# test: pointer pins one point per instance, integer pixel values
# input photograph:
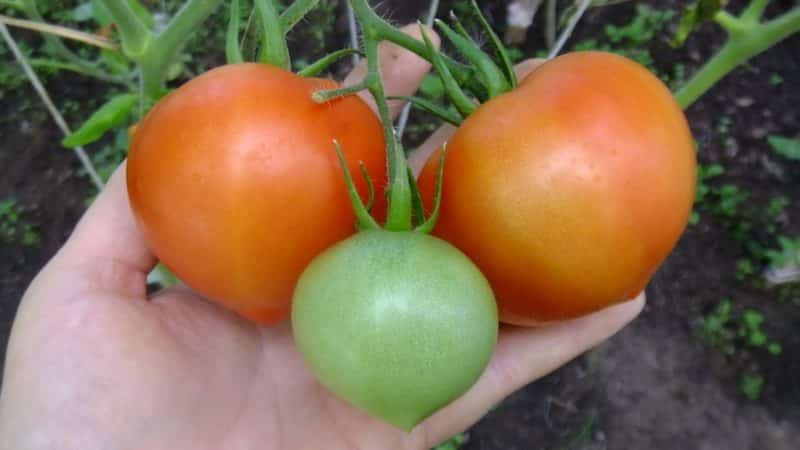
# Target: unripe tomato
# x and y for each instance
(571, 190)
(234, 181)
(398, 323)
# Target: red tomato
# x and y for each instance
(234, 181)
(570, 191)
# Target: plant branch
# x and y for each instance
(573, 21)
(155, 62)
(57, 117)
(739, 48)
(135, 34)
(731, 23)
(754, 11)
(29, 7)
(68, 33)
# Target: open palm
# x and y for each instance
(92, 364)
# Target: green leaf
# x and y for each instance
(113, 113)
(789, 148)
(693, 16)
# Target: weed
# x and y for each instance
(632, 39)
(703, 189)
(786, 147)
(751, 385)
(13, 228)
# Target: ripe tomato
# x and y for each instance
(235, 183)
(571, 190)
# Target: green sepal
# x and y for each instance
(427, 226)
(463, 104)
(499, 48)
(364, 220)
(492, 76)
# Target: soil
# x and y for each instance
(656, 385)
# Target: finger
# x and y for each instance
(401, 71)
(420, 155)
(106, 249)
(526, 354)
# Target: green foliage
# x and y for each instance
(788, 251)
(454, 443)
(775, 79)
(703, 189)
(729, 330)
(751, 386)
(633, 38)
(786, 147)
(13, 228)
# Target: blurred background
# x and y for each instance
(712, 363)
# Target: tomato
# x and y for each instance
(398, 323)
(571, 190)
(234, 181)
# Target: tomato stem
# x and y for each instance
(326, 61)
(233, 51)
(747, 37)
(295, 12)
(274, 50)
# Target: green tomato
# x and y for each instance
(397, 323)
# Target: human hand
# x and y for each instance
(93, 363)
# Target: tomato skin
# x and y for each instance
(570, 191)
(235, 183)
(398, 323)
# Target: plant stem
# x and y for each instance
(57, 117)
(295, 12)
(135, 34)
(573, 21)
(731, 23)
(273, 39)
(398, 217)
(754, 11)
(380, 29)
(155, 61)
(740, 47)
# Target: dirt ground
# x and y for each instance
(655, 385)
